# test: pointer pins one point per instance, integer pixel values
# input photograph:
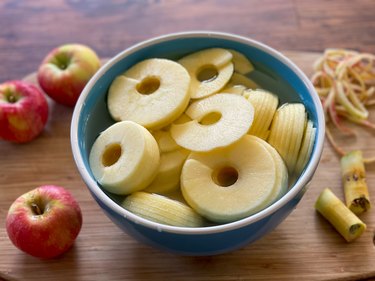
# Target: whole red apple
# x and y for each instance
(23, 111)
(66, 70)
(44, 222)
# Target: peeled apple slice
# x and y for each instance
(152, 93)
(241, 63)
(296, 134)
(161, 209)
(229, 183)
(165, 141)
(234, 89)
(168, 176)
(287, 130)
(239, 79)
(209, 69)
(281, 183)
(124, 158)
(306, 147)
(182, 119)
(265, 105)
(233, 116)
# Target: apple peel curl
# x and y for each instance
(345, 83)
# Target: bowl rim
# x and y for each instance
(298, 186)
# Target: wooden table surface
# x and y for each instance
(302, 247)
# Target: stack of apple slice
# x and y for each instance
(172, 158)
(212, 135)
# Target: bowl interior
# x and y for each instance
(273, 73)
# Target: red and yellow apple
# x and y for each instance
(23, 111)
(65, 71)
(44, 222)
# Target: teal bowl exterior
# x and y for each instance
(91, 117)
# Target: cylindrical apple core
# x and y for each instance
(111, 154)
(225, 176)
(148, 85)
(207, 73)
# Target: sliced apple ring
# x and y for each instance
(152, 93)
(239, 79)
(181, 120)
(241, 63)
(209, 69)
(233, 115)
(161, 209)
(124, 158)
(286, 132)
(229, 183)
(281, 183)
(265, 105)
(165, 141)
(306, 147)
(233, 89)
(168, 176)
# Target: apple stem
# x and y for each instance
(36, 209)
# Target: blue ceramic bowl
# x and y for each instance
(274, 72)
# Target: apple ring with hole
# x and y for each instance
(161, 209)
(124, 158)
(168, 176)
(152, 93)
(230, 183)
(209, 69)
(217, 121)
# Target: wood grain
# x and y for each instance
(29, 29)
(303, 246)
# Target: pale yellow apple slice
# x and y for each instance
(165, 141)
(168, 176)
(119, 156)
(239, 79)
(296, 135)
(282, 123)
(161, 209)
(209, 69)
(281, 183)
(233, 89)
(265, 105)
(234, 116)
(306, 147)
(229, 183)
(152, 93)
(182, 119)
(286, 132)
(241, 63)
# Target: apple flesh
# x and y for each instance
(44, 222)
(23, 111)
(65, 71)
